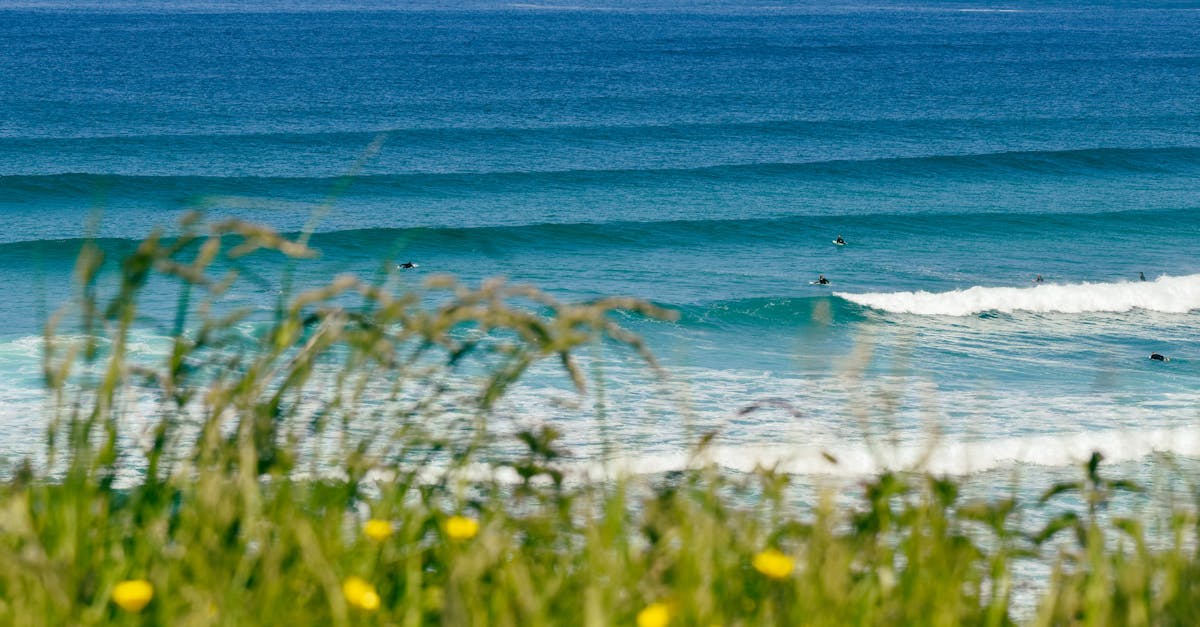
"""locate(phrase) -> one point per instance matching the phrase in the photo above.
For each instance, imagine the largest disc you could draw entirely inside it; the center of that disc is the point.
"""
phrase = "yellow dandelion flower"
(461, 527)
(774, 564)
(377, 530)
(654, 615)
(360, 594)
(133, 595)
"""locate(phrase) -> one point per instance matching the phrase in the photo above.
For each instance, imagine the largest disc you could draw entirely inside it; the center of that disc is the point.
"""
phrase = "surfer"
(407, 265)
(821, 280)
(1037, 279)
(839, 241)
(1141, 276)
(1159, 357)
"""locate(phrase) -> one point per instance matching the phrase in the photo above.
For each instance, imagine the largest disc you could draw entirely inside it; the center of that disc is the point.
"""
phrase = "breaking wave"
(1167, 294)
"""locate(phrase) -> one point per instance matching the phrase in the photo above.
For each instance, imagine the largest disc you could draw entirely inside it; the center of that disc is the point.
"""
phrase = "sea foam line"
(1167, 294)
(958, 458)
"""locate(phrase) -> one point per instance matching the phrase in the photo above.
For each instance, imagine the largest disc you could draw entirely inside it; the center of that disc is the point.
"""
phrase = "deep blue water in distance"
(702, 155)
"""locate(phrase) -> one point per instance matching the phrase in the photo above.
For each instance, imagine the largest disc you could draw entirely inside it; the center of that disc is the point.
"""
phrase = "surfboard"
(839, 243)
(819, 283)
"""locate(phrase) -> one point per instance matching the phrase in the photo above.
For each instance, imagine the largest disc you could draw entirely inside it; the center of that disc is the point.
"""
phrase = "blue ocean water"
(701, 155)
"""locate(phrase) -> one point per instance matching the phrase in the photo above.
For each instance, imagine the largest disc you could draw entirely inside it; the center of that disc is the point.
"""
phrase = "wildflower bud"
(360, 594)
(133, 595)
(461, 528)
(377, 530)
(774, 564)
(654, 615)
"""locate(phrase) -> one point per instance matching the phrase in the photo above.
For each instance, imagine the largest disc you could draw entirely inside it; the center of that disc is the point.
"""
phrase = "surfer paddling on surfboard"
(821, 280)
(839, 241)
(407, 265)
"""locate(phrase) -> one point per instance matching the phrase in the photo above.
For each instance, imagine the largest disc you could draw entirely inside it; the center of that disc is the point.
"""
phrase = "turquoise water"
(701, 155)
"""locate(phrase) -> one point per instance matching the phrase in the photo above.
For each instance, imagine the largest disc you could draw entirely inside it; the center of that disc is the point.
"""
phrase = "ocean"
(700, 155)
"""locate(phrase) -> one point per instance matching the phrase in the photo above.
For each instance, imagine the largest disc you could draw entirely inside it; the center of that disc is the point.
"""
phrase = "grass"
(325, 470)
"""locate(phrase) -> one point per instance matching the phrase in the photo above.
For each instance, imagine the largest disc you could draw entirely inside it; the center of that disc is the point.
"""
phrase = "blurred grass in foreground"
(326, 469)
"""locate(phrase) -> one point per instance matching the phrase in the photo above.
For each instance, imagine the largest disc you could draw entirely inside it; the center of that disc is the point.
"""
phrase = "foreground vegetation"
(339, 465)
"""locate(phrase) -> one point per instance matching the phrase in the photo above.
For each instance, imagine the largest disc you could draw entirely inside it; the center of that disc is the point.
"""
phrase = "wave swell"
(1003, 165)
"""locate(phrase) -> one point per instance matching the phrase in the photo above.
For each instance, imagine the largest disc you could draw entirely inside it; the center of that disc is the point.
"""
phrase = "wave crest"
(1166, 294)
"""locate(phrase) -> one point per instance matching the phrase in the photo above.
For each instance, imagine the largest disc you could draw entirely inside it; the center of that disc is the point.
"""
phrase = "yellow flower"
(774, 564)
(377, 529)
(461, 527)
(654, 615)
(360, 594)
(133, 595)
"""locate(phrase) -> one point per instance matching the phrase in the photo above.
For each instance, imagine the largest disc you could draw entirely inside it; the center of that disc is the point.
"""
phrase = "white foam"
(759, 418)
(943, 458)
(1166, 294)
